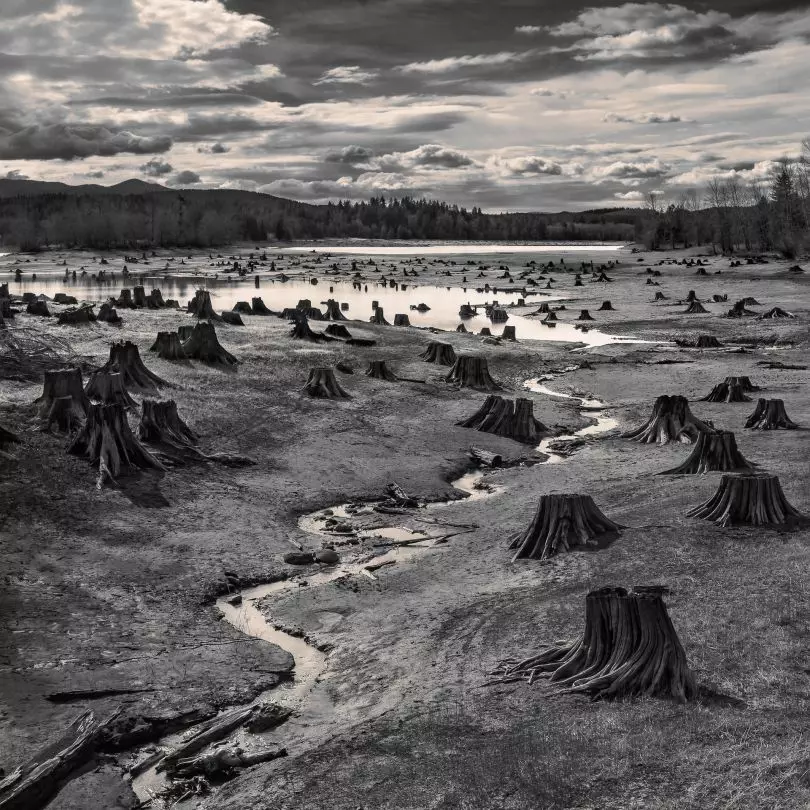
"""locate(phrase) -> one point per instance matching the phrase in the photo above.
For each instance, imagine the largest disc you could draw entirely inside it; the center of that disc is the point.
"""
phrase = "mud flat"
(115, 591)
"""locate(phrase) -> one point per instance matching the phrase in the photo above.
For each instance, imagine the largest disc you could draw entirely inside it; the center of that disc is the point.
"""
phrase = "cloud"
(16, 174)
(528, 166)
(365, 185)
(347, 74)
(429, 156)
(453, 63)
(156, 168)
(544, 92)
(629, 196)
(528, 29)
(644, 118)
(350, 155)
(186, 178)
(635, 170)
(217, 148)
(76, 141)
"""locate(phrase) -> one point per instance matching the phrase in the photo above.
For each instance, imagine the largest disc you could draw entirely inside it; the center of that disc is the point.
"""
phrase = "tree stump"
(727, 392)
(512, 420)
(461, 329)
(139, 296)
(485, 332)
(333, 312)
(695, 308)
(126, 360)
(498, 315)
(77, 316)
(379, 317)
(707, 342)
(671, 420)
(471, 371)
(302, 331)
(551, 317)
(744, 383)
(168, 346)
(107, 314)
(185, 332)
(509, 333)
(466, 311)
(203, 345)
(232, 318)
(322, 383)
(606, 305)
(659, 296)
(776, 312)
(259, 307)
(401, 319)
(162, 427)
(379, 371)
(748, 500)
(584, 315)
(63, 415)
(59, 384)
(243, 308)
(629, 648)
(106, 441)
(714, 451)
(39, 308)
(440, 353)
(561, 522)
(770, 414)
(337, 330)
(155, 300)
(108, 388)
(201, 308)
(124, 301)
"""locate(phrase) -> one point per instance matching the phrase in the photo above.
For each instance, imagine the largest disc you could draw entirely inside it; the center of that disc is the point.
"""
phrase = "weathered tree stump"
(155, 300)
(471, 371)
(126, 360)
(659, 296)
(139, 296)
(185, 332)
(259, 307)
(606, 305)
(124, 300)
(748, 500)
(561, 522)
(466, 311)
(107, 314)
(108, 388)
(63, 415)
(584, 315)
(512, 420)
(333, 312)
(551, 317)
(695, 308)
(440, 353)
(744, 383)
(707, 342)
(629, 648)
(379, 371)
(201, 308)
(671, 420)
(776, 312)
(232, 318)
(168, 346)
(106, 441)
(59, 384)
(77, 316)
(498, 315)
(162, 427)
(322, 383)
(714, 451)
(337, 330)
(730, 390)
(243, 308)
(39, 308)
(509, 333)
(203, 345)
(461, 329)
(401, 319)
(770, 414)
(379, 317)
(485, 332)
(301, 331)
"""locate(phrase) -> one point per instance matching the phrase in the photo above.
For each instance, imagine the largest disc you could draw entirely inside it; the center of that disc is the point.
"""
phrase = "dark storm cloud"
(76, 141)
(349, 155)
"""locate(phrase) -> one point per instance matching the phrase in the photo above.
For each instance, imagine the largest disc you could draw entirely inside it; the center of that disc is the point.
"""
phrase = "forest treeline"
(151, 216)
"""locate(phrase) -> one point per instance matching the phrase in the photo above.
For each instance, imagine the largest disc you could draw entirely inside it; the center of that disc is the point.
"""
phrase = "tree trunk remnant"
(203, 345)
(584, 315)
(509, 333)
(77, 316)
(379, 371)
(671, 420)
(162, 427)
(466, 311)
(707, 342)
(440, 353)
(461, 329)
(485, 457)
(659, 296)
(714, 451)
(323, 384)
(512, 420)
(695, 308)
(63, 416)
(561, 522)
(139, 296)
(770, 414)
(232, 318)
(155, 300)
(243, 308)
(39, 308)
(379, 317)
(471, 371)
(606, 305)
(337, 330)
(333, 312)
(107, 314)
(185, 332)
(125, 358)
(629, 648)
(106, 441)
(58, 384)
(124, 301)
(168, 346)
(259, 307)
(727, 392)
(302, 331)
(201, 308)
(748, 500)
(401, 319)
(108, 388)
(744, 383)
(776, 312)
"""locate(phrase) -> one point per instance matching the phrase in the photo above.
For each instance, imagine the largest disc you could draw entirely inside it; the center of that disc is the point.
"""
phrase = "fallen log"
(486, 458)
(222, 764)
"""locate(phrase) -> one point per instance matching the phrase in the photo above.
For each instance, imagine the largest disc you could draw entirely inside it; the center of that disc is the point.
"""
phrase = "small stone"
(327, 556)
(299, 558)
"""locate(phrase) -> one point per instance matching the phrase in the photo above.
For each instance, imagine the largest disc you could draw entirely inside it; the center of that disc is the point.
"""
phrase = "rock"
(327, 556)
(236, 599)
(268, 716)
(299, 558)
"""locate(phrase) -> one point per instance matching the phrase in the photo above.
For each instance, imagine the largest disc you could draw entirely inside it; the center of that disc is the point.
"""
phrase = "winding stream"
(311, 663)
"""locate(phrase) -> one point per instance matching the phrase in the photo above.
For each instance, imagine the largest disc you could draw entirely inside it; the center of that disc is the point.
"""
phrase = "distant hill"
(134, 213)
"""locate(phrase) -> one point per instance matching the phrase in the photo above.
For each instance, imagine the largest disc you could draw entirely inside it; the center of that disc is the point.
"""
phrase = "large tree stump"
(243, 308)
(744, 383)
(584, 315)
(401, 319)
(124, 300)
(440, 353)
(259, 307)
(39, 308)
(379, 371)
(770, 414)
(200, 306)
(714, 451)
(628, 648)
(561, 522)
(168, 346)
(106, 441)
(776, 312)
(125, 359)
(471, 371)
(232, 318)
(379, 317)
(185, 331)
(59, 384)
(466, 311)
(333, 312)
(695, 308)
(707, 342)
(139, 296)
(108, 388)
(606, 305)
(107, 314)
(509, 333)
(155, 300)
(322, 383)
(671, 420)
(730, 390)
(203, 345)
(63, 416)
(748, 500)
(301, 331)
(461, 328)
(162, 427)
(512, 420)
(337, 330)
(77, 316)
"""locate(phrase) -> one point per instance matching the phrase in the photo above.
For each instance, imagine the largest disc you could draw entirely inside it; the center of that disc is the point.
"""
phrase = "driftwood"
(440, 353)
(770, 414)
(203, 345)
(471, 371)
(125, 359)
(398, 497)
(108, 388)
(502, 417)
(486, 458)
(106, 441)
(628, 648)
(200, 306)
(561, 522)
(323, 384)
(748, 500)
(168, 346)
(671, 420)
(714, 451)
(32, 785)
(222, 764)
(379, 371)
(59, 384)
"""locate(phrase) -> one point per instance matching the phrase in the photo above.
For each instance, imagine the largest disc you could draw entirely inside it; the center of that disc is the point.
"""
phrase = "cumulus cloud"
(629, 196)
(214, 149)
(186, 178)
(528, 166)
(528, 29)
(76, 141)
(351, 155)
(361, 187)
(347, 74)
(643, 118)
(631, 170)
(748, 172)
(156, 168)
(452, 63)
(429, 156)
(16, 174)
(544, 92)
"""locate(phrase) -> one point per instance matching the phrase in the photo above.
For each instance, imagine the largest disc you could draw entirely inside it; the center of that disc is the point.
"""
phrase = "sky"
(512, 105)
